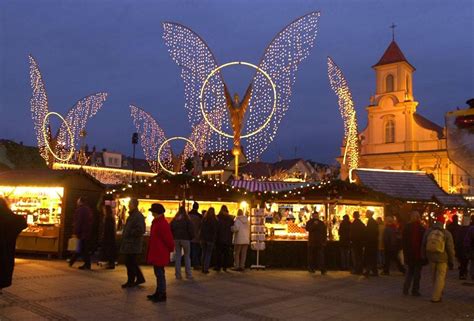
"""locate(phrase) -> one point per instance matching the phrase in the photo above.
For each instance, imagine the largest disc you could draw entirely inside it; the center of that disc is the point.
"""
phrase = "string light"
(346, 107)
(280, 60)
(73, 125)
(155, 145)
(151, 138)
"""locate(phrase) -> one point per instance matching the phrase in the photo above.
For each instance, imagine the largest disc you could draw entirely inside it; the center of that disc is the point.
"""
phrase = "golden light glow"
(166, 142)
(46, 139)
(212, 73)
(346, 107)
(101, 169)
(52, 192)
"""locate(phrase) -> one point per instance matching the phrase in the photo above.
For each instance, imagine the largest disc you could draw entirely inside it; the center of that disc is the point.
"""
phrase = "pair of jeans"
(222, 256)
(316, 258)
(84, 253)
(240, 255)
(357, 251)
(182, 246)
(195, 254)
(160, 279)
(345, 257)
(389, 257)
(370, 260)
(134, 274)
(206, 255)
(413, 275)
(438, 271)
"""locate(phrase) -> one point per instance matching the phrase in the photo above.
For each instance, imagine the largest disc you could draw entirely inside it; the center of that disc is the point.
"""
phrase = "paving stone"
(50, 290)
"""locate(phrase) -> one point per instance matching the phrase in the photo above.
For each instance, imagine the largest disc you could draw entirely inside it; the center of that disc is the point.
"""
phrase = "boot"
(161, 297)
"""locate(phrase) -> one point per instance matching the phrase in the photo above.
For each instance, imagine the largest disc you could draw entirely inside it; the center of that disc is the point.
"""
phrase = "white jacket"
(241, 229)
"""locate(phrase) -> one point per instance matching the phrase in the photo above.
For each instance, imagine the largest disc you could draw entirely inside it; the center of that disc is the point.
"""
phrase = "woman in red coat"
(160, 246)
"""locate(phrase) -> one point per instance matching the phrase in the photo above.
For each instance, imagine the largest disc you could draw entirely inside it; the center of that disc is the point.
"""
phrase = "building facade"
(397, 136)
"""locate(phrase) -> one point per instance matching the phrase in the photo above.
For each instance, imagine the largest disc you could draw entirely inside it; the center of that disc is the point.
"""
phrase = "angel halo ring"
(46, 140)
(213, 72)
(161, 147)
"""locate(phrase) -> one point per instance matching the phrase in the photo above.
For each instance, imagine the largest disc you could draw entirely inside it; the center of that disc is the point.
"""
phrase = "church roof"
(428, 124)
(391, 55)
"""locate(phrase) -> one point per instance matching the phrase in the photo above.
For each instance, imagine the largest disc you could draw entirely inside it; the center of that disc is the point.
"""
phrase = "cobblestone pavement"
(49, 290)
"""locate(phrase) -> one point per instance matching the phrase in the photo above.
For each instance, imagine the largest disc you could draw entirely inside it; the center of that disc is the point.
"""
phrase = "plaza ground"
(49, 290)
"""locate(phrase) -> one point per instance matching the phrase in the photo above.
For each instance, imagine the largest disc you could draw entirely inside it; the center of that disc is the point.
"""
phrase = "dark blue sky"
(116, 46)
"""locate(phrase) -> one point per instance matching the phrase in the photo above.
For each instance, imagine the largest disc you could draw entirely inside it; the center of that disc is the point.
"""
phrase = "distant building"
(397, 136)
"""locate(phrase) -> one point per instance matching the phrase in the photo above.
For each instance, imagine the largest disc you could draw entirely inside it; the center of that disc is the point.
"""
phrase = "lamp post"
(134, 143)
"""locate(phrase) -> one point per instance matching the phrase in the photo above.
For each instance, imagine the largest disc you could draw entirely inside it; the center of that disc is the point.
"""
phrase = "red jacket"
(161, 242)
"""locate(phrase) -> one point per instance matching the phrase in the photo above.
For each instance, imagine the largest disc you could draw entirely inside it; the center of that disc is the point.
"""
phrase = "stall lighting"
(52, 192)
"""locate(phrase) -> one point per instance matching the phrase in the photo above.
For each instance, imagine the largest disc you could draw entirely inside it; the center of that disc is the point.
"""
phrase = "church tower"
(392, 109)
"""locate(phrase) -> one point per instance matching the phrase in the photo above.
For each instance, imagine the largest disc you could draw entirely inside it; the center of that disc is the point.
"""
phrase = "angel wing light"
(346, 107)
(67, 137)
(155, 144)
(280, 61)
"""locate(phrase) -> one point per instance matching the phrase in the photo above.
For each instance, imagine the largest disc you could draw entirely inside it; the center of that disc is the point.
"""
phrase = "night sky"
(116, 46)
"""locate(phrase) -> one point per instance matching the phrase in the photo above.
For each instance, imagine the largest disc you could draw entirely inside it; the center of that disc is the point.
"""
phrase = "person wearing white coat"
(241, 229)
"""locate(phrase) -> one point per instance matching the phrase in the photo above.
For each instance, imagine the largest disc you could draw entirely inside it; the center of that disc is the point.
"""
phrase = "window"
(407, 84)
(389, 83)
(390, 131)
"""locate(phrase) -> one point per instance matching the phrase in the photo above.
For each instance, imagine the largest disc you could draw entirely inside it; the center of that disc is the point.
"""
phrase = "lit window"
(390, 131)
(389, 83)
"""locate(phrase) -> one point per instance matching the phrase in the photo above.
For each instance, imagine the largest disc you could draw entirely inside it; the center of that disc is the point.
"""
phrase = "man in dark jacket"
(317, 237)
(412, 240)
(10, 226)
(345, 242)
(132, 244)
(391, 243)
(224, 238)
(459, 249)
(196, 219)
(83, 220)
(357, 237)
(371, 245)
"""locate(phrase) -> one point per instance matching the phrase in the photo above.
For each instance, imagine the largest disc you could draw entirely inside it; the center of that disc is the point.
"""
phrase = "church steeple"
(393, 76)
(392, 55)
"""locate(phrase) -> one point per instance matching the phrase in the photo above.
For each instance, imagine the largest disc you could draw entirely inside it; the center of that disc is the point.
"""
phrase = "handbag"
(73, 244)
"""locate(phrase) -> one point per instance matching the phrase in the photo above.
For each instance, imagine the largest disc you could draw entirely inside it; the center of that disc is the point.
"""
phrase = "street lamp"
(134, 143)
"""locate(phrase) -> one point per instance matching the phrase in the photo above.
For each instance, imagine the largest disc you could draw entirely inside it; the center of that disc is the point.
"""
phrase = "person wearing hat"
(160, 246)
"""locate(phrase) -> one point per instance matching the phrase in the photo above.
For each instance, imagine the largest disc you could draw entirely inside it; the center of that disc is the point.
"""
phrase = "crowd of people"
(367, 248)
(190, 237)
(194, 237)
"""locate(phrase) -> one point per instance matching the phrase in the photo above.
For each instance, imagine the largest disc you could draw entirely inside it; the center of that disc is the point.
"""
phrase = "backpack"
(436, 241)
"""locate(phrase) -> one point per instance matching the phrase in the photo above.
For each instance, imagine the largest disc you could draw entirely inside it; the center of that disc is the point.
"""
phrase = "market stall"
(174, 191)
(47, 200)
(287, 213)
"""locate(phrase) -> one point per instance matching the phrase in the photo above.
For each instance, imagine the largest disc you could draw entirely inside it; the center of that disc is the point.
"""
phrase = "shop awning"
(407, 186)
(266, 186)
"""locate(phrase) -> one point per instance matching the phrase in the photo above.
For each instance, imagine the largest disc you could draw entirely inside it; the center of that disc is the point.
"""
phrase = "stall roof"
(268, 186)
(43, 177)
(407, 186)
(167, 187)
(333, 191)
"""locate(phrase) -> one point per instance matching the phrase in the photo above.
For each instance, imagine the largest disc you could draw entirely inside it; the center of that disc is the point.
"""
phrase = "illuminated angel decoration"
(346, 107)
(156, 146)
(61, 145)
(280, 61)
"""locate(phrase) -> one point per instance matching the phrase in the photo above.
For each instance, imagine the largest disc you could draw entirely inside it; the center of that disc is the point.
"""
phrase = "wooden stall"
(47, 199)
